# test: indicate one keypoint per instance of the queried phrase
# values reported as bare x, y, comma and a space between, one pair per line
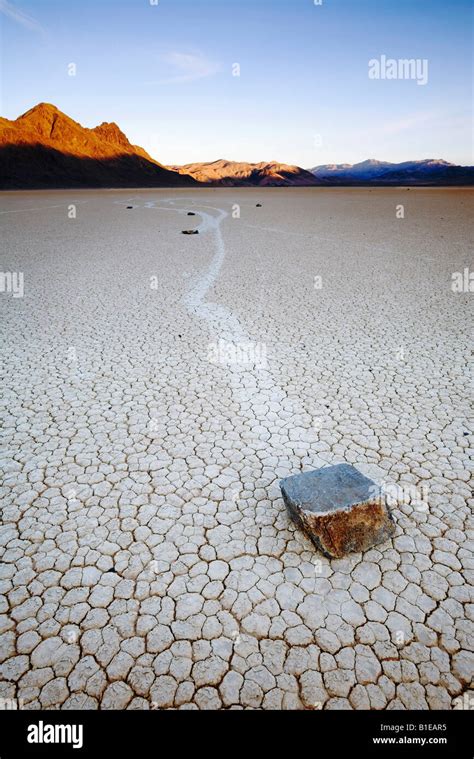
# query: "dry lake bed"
157, 386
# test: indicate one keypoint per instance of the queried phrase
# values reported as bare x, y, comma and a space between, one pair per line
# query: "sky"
166, 74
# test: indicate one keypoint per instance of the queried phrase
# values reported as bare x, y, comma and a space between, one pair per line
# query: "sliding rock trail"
271, 418
157, 386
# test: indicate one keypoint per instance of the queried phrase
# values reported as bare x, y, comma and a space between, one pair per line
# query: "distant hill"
44, 148
234, 173
425, 172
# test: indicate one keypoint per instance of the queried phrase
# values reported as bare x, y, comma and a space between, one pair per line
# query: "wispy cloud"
188, 67
415, 120
20, 17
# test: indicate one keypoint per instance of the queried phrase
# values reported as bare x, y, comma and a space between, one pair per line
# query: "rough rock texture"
341, 510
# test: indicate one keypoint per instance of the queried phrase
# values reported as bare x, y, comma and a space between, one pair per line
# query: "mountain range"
231, 173
429, 171
45, 148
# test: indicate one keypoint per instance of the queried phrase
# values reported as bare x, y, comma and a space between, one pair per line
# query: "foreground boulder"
339, 508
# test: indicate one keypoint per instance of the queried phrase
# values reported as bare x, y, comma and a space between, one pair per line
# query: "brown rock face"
340, 509
46, 125
46, 148
356, 529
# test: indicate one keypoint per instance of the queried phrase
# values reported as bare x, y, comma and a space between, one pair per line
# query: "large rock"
339, 508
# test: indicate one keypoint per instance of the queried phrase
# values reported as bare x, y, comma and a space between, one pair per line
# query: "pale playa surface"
127, 449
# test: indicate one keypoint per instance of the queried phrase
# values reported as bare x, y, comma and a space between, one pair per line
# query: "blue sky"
164, 74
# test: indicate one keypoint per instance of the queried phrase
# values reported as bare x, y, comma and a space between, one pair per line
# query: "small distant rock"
259, 205
129, 207
190, 232
191, 213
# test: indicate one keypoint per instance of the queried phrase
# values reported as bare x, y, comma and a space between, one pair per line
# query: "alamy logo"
463, 702
392, 495
399, 68
12, 282
244, 354
462, 282
42, 733
11, 703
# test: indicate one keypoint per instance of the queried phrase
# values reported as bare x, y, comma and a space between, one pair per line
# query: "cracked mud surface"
147, 560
